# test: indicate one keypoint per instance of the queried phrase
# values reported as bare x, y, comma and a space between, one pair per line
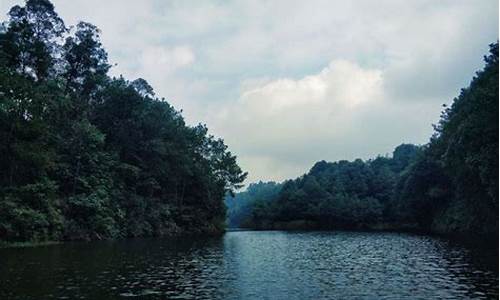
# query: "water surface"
253, 265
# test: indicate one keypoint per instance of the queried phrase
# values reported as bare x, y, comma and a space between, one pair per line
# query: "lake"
253, 265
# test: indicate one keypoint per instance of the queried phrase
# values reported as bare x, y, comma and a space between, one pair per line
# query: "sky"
287, 83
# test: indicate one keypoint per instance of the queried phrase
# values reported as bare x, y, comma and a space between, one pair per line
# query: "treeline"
448, 186
87, 156
341, 194
241, 205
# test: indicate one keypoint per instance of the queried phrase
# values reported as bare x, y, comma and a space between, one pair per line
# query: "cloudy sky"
288, 83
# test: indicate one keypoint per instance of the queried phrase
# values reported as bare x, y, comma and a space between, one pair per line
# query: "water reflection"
253, 265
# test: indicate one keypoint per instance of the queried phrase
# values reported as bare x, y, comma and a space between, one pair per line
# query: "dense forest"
87, 156
342, 194
240, 205
448, 186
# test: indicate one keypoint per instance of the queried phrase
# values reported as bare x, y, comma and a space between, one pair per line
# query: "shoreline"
462, 238
467, 240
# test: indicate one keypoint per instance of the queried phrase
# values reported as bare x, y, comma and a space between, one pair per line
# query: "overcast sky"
288, 83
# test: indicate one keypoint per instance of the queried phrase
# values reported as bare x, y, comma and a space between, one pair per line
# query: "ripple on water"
253, 265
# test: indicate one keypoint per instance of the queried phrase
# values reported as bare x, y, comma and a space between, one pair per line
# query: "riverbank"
4, 244
207, 231
313, 225
468, 238
293, 226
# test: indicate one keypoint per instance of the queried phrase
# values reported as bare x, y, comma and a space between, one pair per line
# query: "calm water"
253, 265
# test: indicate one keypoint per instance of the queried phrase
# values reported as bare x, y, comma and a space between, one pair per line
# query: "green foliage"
335, 195
448, 186
252, 201
30, 212
453, 187
86, 156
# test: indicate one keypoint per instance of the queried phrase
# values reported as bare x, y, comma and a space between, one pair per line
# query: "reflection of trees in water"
473, 266
252, 264
186, 268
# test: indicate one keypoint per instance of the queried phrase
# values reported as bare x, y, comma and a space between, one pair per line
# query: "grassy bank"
4, 244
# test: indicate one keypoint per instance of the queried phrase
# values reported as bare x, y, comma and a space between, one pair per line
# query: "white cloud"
158, 64
338, 86
287, 83
164, 59
281, 127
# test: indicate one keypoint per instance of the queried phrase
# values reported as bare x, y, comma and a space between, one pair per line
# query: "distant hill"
448, 186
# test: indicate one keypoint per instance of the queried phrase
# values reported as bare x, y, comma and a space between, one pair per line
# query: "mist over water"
253, 265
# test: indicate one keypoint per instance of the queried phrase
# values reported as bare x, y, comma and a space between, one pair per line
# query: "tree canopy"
449, 185
88, 156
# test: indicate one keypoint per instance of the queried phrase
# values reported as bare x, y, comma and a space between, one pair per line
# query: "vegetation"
241, 205
453, 187
342, 194
86, 156
449, 185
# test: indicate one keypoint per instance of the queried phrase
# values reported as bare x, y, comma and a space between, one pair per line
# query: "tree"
86, 61
30, 43
86, 156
